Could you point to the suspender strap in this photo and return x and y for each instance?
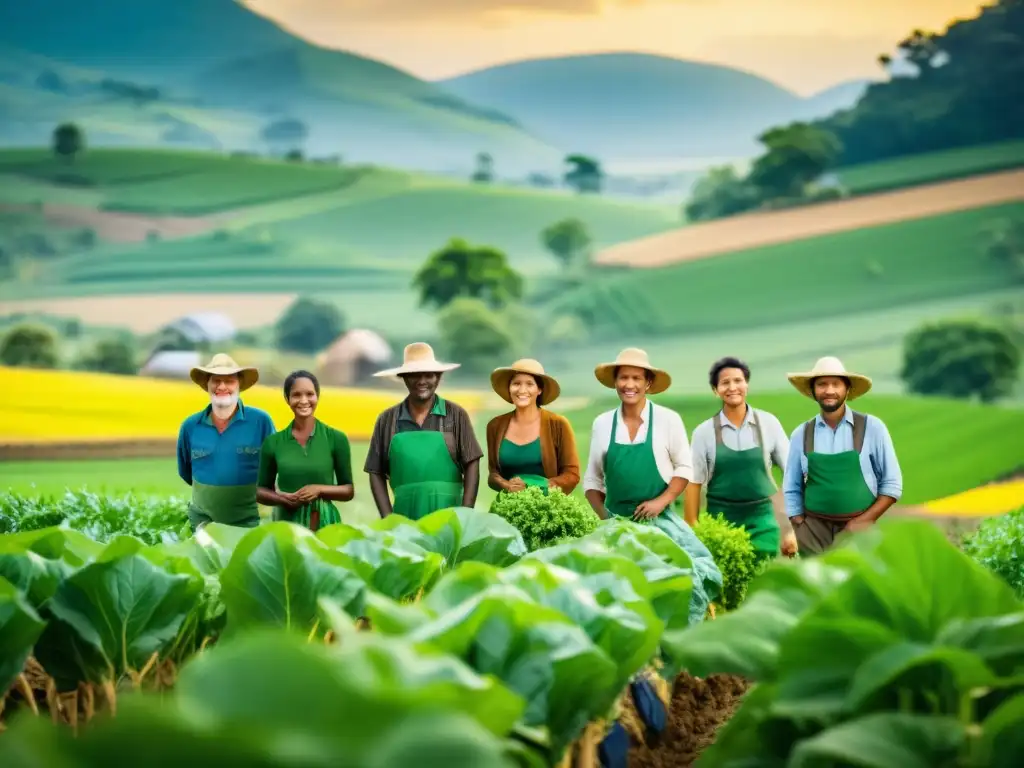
(809, 437)
(860, 426)
(758, 435)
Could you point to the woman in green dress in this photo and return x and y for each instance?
(530, 445)
(306, 466)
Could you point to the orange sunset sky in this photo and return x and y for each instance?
(805, 45)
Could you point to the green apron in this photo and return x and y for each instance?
(423, 476)
(741, 490)
(524, 462)
(835, 486)
(227, 504)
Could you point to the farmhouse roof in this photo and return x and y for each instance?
(358, 344)
(174, 364)
(204, 326)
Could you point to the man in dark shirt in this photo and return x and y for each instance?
(425, 445)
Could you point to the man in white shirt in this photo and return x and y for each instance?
(639, 455)
(640, 463)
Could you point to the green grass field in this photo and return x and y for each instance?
(931, 167)
(944, 447)
(809, 281)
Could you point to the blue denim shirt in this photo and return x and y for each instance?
(878, 462)
(229, 458)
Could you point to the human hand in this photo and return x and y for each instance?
(648, 510)
(859, 523)
(552, 485)
(307, 493)
(515, 485)
(796, 519)
(789, 546)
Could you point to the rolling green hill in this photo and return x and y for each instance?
(855, 271)
(347, 228)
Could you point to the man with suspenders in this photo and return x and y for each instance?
(733, 453)
(842, 473)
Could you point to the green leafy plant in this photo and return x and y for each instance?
(893, 649)
(151, 519)
(998, 544)
(734, 554)
(544, 519)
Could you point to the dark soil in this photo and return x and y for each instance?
(700, 706)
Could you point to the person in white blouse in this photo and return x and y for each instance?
(733, 453)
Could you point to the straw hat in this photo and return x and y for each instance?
(224, 365)
(502, 377)
(635, 358)
(829, 366)
(418, 358)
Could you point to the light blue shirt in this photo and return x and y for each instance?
(878, 462)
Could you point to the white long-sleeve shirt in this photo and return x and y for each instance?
(669, 442)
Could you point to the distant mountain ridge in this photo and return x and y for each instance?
(242, 71)
(218, 74)
(630, 105)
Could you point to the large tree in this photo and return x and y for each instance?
(584, 173)
(961, 358)
(463, 270)
(474, 333)
(720, 192)
(30, 346)
(309, 325)
(794, 157)
(68, 141)
(568, 241)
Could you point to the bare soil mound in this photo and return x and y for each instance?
(700, 706)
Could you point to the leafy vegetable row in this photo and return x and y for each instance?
(893, 650)
(100, 517)
(563, 628)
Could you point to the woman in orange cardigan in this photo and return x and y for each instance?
(530, 445)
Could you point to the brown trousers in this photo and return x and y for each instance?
(815, 536)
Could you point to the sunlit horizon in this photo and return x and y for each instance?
(802, 45)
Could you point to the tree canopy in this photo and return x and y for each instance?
(460, 269)
(965, 87)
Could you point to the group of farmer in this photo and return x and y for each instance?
(840, 471)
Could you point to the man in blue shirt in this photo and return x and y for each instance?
(219, 447)
(842, 473)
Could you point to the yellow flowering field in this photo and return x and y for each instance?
(994, 499)
(71, 406)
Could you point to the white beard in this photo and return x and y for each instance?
(223, 405)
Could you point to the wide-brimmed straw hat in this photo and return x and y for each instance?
(635, 358)
(418, 358)
(501, 378)
(829, 366)
(224, 365)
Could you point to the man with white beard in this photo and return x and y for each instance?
(219, 447)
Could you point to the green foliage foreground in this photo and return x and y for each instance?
(481, 654)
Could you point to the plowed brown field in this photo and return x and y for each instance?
(770, 227)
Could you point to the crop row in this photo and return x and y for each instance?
(443, 642)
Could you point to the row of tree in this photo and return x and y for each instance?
(584, 174)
